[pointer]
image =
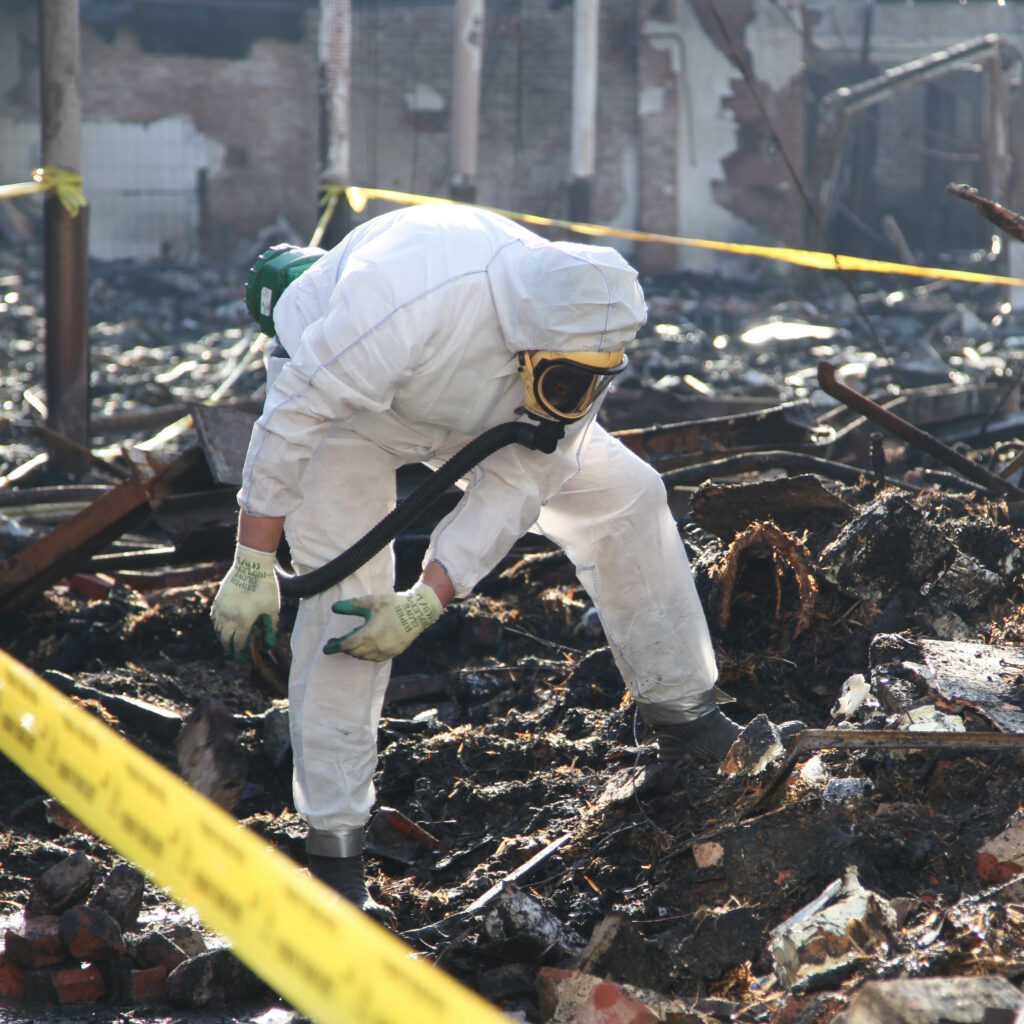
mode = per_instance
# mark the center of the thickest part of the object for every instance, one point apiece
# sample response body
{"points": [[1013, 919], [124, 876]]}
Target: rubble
{"points": [[860, 847], [758, 745], [85, 953], [823, 943], [934, 1001], [1001, 858]]}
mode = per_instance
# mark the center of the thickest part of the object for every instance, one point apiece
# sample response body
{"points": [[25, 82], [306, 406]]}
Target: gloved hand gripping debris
{"points": [[248, 599], [393, 621]]}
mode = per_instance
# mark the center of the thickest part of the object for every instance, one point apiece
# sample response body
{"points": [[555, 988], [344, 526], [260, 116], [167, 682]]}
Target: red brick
{"points": [[91, 934], [63, 985], [120, 895], [35, 943], [991, 869], [94, 586], [154, 949], [1002, 857], [66, 883], [607, 1003], [149, 984], [548, 983], [12, 979], [581, 998]]}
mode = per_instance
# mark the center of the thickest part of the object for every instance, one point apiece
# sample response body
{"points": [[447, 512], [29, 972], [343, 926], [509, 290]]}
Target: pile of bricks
{"points": [[80, 943]]}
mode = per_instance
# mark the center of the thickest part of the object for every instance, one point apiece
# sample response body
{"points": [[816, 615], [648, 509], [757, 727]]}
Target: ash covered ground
{"points": [[527, 737]]}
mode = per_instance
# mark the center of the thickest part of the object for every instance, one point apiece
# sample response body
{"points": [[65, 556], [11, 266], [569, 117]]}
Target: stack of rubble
{"points": [[79, 942], [869, 866]]}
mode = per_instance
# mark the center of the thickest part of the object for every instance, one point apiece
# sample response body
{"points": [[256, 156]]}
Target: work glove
{"points": [[248, 599], [393, 621]]}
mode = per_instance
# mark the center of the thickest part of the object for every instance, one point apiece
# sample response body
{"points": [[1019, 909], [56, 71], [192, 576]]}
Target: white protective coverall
{"points": [[401, 346]]}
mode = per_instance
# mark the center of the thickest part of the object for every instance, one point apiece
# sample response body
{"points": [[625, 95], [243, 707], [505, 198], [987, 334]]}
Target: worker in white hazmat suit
{"points": [[419, 331]]}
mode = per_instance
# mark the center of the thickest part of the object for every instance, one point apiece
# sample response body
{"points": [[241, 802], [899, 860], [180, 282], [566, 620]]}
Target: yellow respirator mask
{"points": [[564, 386]]}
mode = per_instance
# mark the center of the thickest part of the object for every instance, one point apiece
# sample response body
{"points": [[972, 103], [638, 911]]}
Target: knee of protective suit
{"points": [[646, 489]]}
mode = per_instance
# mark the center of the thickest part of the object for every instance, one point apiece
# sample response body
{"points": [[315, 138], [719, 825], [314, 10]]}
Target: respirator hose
{"points": [[542, 437]]}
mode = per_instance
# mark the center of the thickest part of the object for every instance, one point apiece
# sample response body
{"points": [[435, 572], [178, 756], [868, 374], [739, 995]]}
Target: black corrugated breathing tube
{"points": [[543, 437]]}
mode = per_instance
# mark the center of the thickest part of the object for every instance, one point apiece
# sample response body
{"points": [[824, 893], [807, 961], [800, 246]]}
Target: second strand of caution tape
{"points": [[319, 952], [358, 196]]}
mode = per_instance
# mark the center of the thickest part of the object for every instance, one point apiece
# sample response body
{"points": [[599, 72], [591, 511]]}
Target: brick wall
{"points": [[255, 120], [681, 146], [260, 115], [525, 110]]}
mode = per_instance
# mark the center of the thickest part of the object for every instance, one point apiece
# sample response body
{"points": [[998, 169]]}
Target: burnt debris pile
{"points": [[847, 481]]}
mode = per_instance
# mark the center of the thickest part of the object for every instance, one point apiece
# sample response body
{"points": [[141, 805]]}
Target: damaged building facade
{"points": [[202, 120]]}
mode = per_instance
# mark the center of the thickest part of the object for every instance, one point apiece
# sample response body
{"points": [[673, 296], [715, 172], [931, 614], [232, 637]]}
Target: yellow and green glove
{"points": [[248, 599], [393, 621]]}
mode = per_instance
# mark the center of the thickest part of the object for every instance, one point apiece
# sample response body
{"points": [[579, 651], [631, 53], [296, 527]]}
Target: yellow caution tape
{"points": [[22, 188], [66, 185], [314, 949], [329, 203], [358, 198]]}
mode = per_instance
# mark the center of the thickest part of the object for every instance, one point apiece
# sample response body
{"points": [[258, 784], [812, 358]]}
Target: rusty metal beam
{"points": [[879, 739], [851, 98], [73, 542], [750, 462], [1003, 218], [792, 424], [955, 412], [43, 562], [913, 435]]}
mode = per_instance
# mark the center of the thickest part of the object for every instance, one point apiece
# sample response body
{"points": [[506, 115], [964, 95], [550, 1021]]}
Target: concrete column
{"points": [[662, 117], [465, 119], [997, 144], [66, 240], [335, 46], [1015, 260], [585, 62]]}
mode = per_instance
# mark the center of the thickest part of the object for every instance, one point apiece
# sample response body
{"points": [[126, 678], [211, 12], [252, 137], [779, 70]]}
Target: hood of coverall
{"points": [[566, 296]]}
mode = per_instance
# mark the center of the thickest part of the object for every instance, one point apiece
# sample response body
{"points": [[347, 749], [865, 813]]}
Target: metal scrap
{"points": [[1005, 219], [877, 739], [668, 445], [70, 544], [917, 437]]}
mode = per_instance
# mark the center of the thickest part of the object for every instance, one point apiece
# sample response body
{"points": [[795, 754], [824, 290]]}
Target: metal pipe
{"points": [[745, 462], [913, 435], [66, 264], [879, 739]]}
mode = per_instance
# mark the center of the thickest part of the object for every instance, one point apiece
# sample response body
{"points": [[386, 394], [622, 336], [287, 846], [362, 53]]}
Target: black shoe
{"points": [[706, 739], [345, 876]]}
